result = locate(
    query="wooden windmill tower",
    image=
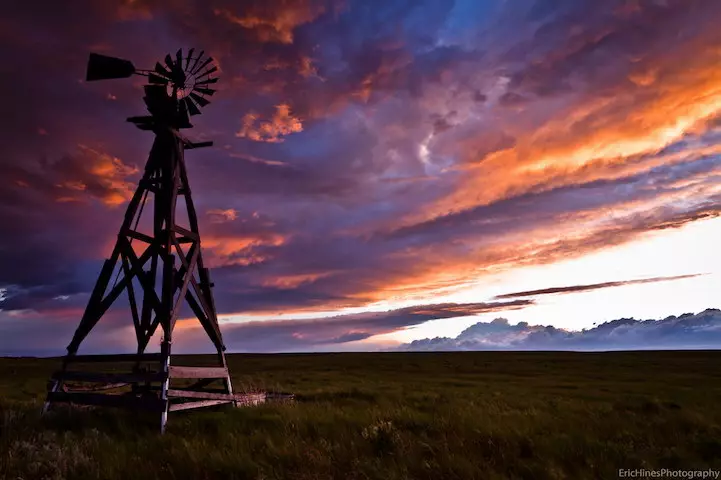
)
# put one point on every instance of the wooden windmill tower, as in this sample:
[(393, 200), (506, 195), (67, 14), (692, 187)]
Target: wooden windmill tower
[(159, 269)]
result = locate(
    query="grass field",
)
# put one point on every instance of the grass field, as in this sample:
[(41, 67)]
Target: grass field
[(391, 416)]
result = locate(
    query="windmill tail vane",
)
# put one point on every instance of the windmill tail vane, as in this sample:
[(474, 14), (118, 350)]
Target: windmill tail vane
[(163, 270)]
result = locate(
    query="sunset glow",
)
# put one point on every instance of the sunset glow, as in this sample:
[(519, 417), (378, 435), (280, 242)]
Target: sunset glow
[(382, 171)]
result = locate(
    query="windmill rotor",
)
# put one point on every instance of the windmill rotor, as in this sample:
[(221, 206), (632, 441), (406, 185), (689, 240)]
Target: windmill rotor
[(185, 81)]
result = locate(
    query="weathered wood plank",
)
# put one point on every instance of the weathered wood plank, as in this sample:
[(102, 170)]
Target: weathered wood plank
[(139, 236), (185, 232), (198, 372), (197, 394), (94, 388), (190, 405), (109, 377), (130, 357), (247, 398), (103, 400)]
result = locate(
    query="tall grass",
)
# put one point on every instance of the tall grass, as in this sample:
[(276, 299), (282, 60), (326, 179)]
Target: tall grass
[(391, 416)]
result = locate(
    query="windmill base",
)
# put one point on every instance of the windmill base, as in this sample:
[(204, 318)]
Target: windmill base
[(146, 385)]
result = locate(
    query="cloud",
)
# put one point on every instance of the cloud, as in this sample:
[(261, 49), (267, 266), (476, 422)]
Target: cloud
[(86, 174), (280, 124), (595, 286), (392, 151), (25, 331), (334, 332), (274, 22), (221, 216), (687, 331)]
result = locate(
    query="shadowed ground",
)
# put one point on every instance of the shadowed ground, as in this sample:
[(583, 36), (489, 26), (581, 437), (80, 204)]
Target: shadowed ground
[(392, 415)]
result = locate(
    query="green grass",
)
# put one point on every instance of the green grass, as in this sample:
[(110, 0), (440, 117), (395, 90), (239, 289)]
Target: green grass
[(391, 416)]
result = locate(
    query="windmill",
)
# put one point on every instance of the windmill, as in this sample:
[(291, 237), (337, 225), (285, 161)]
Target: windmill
[(160, 269)]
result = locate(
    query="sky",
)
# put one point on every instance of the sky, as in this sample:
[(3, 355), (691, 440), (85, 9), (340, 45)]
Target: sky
[(385, 175)]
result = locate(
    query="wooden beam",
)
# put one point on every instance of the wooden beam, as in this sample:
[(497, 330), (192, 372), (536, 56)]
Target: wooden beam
[(131, 357), (107, 400), (137, 265), (139, 236), (147, 309), (197, 394), (198, 372), (185, 232), (245, 398), (210, 328), (109, 377), (94, 388), (191, 145), (136, 269), (131, 299), (190, 405), (193, 255)]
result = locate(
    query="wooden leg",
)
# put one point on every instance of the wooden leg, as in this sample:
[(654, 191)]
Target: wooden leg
[(165, 350)]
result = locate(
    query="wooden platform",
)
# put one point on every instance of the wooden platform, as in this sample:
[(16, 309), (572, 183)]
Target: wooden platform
[(148, 386)]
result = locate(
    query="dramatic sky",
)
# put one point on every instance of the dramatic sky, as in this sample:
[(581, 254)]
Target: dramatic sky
[(414, 174)]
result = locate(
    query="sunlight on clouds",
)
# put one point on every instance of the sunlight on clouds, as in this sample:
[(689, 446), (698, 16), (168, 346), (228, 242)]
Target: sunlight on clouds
[(691, 249), (599, 137), (282, 123)]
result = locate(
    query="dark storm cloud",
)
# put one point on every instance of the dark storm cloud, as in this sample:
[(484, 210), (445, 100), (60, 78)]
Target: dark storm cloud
[(605, 32), (48, 333), (594, 286), (365, 117), (687, 331)]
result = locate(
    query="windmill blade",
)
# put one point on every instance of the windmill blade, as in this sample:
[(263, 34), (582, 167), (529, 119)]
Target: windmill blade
[(155, 78), (205, 64), (208, 72), (169, 62), (206, 81), (192, 108), (200, 55), (183, 110), (204, 91), (179, 58), (200, 100), (161, 70), (187, 60)]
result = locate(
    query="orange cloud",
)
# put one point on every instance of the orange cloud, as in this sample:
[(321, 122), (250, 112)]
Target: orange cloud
[(237, 249), (222, 216), (273, 23), (293, 281), (282, 123), (109, 174), (133, 10), (606, 136)]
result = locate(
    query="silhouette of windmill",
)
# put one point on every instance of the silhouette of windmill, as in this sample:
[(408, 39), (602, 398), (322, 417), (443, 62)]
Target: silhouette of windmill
[(164, 268)]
